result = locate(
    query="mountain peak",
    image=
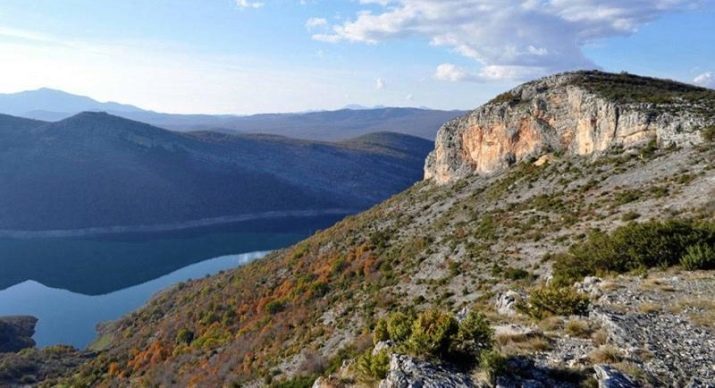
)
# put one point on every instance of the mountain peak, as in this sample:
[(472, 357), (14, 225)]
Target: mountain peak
[(577, 113)]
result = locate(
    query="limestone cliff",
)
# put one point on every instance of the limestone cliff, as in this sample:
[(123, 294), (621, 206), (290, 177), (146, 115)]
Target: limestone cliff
[(580, 113)]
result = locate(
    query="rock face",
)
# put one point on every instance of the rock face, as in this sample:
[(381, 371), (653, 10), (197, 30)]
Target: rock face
[(407, 372), (572, 114), (16, 333), (609, 377)]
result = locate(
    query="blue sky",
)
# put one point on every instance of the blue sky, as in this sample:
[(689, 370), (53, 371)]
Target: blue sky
[(246, 56)]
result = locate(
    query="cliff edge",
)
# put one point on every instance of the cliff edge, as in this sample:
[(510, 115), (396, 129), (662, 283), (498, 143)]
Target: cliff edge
[(579, 113)]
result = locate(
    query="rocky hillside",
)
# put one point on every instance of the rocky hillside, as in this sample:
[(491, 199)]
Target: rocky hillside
[(566, 269), (583, 113)]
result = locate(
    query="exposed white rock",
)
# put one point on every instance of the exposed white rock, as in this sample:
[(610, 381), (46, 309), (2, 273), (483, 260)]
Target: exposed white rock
[(506, 303), (554, 114), (407, 372), (609, 377)]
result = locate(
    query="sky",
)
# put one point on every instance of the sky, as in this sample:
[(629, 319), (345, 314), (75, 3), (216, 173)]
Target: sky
[(255, 56)]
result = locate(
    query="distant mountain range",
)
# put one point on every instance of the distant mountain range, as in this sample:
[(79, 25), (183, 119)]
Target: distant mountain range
[(352, 121), (95, 170)]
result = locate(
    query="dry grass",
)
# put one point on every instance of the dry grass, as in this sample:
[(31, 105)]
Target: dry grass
[(599, 337), (656, 284), (606, 354), (648, 308), (521, 344), (632, 370), (701, 311), (610, 285), (551, 324), (578, 328)]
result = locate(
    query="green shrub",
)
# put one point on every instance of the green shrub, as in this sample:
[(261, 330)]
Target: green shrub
[(296, 382), (379, 333), (552, 300), (373, 366), (432, 332), (631, 247), (473, 336), (399, 326), (493, 364), (275, 306), (184, 336), (700, 256), (516, 273), (630, 216)]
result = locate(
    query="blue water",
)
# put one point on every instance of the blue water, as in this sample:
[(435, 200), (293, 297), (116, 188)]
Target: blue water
[(70, 318), (72, 284)]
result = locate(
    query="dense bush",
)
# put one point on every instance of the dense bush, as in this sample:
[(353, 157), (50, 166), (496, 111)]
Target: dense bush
[(493, 364), (553, 300), (435, 333), (632, 246), (473, 336), (432, 333), (184, 336), (399, 326), (373, 366), (699, 256), (380, 333)]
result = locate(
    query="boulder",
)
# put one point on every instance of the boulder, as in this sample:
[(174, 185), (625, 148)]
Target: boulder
[(408, 372), (506, 303), (16, 333), (609, 377)]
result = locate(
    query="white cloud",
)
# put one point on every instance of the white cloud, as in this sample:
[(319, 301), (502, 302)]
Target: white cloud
[(508, 39), (380, 84), (706, 79), (249, 4), (409, 97), (452, 73), (315, 23)]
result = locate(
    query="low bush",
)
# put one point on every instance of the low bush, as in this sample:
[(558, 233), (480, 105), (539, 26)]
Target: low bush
[(184, 336), (435, 333), (632, 247), (473, 336), (432, 333), (493, 364), (700, 256), (399, 326), (373, 366), (552, 300)]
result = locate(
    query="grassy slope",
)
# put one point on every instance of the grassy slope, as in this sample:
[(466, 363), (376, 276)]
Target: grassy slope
[(449, 246)]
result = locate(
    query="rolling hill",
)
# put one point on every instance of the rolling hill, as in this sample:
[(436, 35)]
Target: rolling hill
[(95, 170), (55, 105)]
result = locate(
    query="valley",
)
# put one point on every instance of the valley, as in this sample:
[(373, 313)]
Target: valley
[(546, 269)]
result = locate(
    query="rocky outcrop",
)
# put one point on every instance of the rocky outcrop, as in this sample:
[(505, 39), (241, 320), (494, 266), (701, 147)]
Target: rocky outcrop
[(16, 333), (560, 114), (506, 303), (609, 377), (407, 372)]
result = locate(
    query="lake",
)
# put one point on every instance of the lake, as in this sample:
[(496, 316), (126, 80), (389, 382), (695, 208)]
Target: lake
[(72, 284)]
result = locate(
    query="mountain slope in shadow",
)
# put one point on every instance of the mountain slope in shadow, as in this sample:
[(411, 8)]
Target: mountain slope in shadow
[(95, 170)]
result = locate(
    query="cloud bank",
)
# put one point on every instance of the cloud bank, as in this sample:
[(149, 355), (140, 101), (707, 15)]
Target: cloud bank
[(508, 39)]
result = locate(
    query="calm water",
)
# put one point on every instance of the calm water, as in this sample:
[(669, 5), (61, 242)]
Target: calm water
[(72, 284), (71, 318)]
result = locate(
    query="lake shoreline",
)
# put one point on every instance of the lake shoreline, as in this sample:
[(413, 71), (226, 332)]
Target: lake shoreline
[(205, 222)]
